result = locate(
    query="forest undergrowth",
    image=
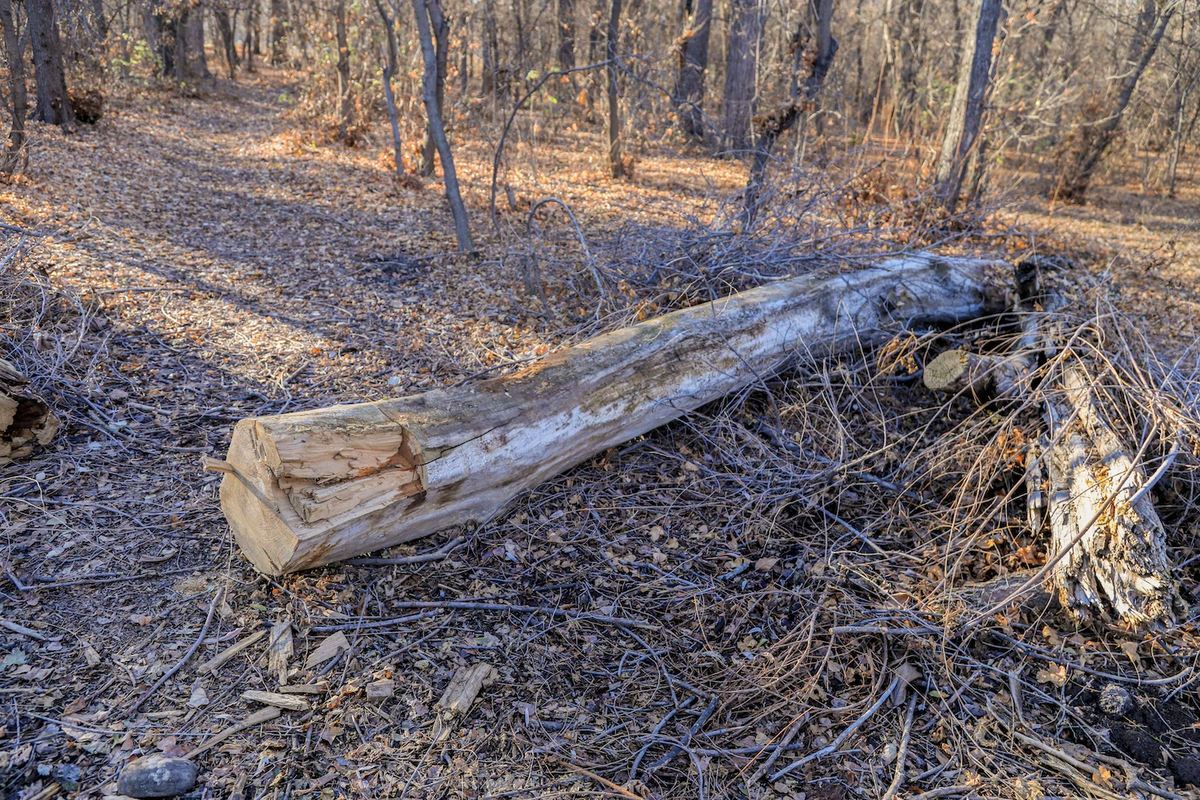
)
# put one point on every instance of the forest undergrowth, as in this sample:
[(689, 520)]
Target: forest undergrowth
[(777, 596)]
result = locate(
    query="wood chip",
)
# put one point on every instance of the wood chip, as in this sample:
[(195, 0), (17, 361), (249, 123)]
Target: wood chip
[(378, 691), (465, 687), (257, 718), (327, 650), (305, 688), (231, 651), (284, 701), (280, 650)]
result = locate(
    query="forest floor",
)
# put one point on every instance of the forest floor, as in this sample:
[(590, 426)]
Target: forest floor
[(223, 265)]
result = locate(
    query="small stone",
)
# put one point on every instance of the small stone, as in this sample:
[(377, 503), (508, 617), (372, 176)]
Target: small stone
[(68, 777), (1115, 700), (157, 776)]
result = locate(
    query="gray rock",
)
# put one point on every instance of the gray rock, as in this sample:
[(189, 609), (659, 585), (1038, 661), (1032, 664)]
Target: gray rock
[(157, 776), (1115, 700)]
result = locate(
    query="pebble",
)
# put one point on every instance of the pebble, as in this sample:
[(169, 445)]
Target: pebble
[(157, 776), (1115, 699)]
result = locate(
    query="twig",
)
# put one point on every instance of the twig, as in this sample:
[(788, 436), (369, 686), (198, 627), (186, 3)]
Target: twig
[(945, 791), (620, 622), (783, 743), (621, 790), (257, 718), (383, 623), (21, 629), (679, 748), (846, 734), (902, 753), (231, 651), (436, 555), (212, 607)]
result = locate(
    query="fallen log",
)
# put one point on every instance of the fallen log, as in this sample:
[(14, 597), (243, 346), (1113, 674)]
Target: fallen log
[(314, 487), (1108, 551), (25, 419)]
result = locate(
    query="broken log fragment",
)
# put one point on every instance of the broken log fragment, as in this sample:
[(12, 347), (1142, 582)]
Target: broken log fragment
[(1107, 553), (314, 487), (25, 419)]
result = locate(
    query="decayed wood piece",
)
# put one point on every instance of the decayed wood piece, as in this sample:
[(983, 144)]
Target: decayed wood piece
[(25, 419), (1108, 554), (1118, 568), (279, 650), (314, 487)]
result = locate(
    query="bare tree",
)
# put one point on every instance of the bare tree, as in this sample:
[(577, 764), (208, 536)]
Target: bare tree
[(389, 71), (53, 102), (566, 34), (15, 156), (693, 64), (966, 109), (615, 165), (433, 112), (741, 70), (1099, 129), (441, 33), (345, 106), (779, 123)]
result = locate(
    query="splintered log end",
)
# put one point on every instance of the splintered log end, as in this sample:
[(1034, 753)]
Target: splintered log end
[(301, 490), (250, 498), (25, 420)]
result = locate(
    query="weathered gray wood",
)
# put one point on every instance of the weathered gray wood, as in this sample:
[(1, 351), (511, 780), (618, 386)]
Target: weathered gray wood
[(1117, 569), (314, 487)]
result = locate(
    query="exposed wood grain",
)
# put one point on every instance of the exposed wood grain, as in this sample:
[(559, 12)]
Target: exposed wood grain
[(319, 486)]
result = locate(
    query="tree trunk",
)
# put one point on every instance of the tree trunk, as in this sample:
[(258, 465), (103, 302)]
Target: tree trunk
[(910, 51), (389, 70), (966, 109), (566, 34), (313, 487), (490, 83), (16, 157), (441, 33), (53, 102), (595, 40), (615, 166), (1099, 132), (777, 124), (278, 32), (343, 71), (693, 64), (190, 37), (741, 71), (433, 112), (225, 30)]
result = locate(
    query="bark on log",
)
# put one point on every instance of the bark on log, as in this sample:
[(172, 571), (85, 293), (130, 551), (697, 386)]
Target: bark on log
[(313, 487), (25, 419)]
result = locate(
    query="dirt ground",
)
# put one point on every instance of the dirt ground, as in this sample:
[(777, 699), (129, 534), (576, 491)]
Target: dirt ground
[(226, 266)]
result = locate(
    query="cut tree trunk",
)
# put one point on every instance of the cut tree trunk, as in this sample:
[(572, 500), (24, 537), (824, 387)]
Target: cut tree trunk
[(1108, 550), (314, 487), (25, 419)]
